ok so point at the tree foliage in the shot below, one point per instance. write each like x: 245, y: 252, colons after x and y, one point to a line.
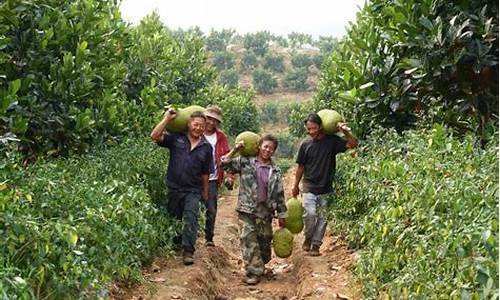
x: 274, y: 62
x: 263, y: 81
x: 423, y: 206
x: 298, y: 39
x: 218, y: 40
x: 238, y: 108
x: 427, y: 61
x: 257, y: 42
x: 296, y: 79
x: 73, y: 73
x: 249, y: 60
x: 326, y: 44
x: 223, y: 60
x: 228, y: 78
x: 301, y: 60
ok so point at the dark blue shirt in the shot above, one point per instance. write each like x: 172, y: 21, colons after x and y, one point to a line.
x: 186, y: 166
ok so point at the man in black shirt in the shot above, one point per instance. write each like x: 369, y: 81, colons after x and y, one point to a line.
x: 316, y: 164
x: 187, y: 175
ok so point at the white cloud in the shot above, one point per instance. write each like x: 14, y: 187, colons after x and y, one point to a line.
x: 316, y: 17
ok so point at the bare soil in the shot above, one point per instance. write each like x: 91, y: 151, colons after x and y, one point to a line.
x: 218, y: 271
x: 284, y: 97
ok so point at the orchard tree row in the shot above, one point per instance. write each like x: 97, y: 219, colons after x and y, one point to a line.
x: 74, y: 74
x: 415, y: 63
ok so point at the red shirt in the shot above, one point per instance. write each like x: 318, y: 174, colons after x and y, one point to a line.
x: 221, y: 148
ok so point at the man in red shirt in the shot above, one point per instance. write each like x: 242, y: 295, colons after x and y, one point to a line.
x: 220, y: 146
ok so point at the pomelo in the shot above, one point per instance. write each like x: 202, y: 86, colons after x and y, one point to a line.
x: 179, y: 123
x: 330, y: 118
x: 283, y: 242
x: 250, y: 141
x: 294, y: 221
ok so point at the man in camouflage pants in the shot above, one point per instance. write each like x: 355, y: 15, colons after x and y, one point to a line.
x: 260, y: 196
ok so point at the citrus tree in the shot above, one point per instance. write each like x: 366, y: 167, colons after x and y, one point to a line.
x: 417, y: 61
x: 263, y: 81
x: 219, y: 40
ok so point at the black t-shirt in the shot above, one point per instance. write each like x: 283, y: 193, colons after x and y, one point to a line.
x: 185, y: 166
x: 318, y: 159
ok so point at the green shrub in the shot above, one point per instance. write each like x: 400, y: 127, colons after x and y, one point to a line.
x: 74, y: 74
x: 274, y: 62
x: 296, y: 79
x: 263, y: 81
x: 173, y: 64
x: 326, y: 44
x: 298, y: 39
x: 217, y: 41
x: 257, y: 42
x: 223, y: 60
x: 317, y: 60
x: 269, y: 112
x: 248, y: 61
x: 238, y: 108
x: 287, y: 145
x: 281, y: 41
x: 301, y: 60
x: 415, y: 62
x: 69, y: 227
x: 423, y: 207
x: 228, y: 78
x: 296, y: 116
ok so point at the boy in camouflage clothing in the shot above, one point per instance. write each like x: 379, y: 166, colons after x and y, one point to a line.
x: 260, y: 196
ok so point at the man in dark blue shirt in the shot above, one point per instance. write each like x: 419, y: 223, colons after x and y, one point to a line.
x: 187, y: 175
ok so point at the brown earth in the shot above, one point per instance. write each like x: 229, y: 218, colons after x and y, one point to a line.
x: 218, y: 271
x: 284, y: 97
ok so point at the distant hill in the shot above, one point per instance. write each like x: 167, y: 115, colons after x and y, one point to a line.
x: 267, y: 63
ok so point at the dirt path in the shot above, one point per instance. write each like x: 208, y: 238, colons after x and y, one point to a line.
x: 218, y: 271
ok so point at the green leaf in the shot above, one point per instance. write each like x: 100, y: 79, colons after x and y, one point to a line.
x: 20, y: 125
x: 425, y: 22
x: 83, y: 45
x: 14, y: 86
x: 346, y: 96
x: 72, y: 238
x: 366, y: 85
x: 407, y: 72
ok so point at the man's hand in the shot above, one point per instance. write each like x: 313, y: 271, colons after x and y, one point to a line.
x: 225, y: 157
x: 236, y: 148
x: 239, y: 146
x: 352, y: 142
x: 204, y: 195
x: 170, y: 114
x: 281, y: 222
x: 295, y: 191
x: 229, y: 182
x: 341, y: 126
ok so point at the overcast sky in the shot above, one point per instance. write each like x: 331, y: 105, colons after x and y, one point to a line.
x: 316, y: 17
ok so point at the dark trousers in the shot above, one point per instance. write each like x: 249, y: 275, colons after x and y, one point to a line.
x: 183, y: 206
x: 211, y: 210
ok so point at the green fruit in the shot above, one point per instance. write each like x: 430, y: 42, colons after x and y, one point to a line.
x: 283, y: 242
x: 179, y: 123
x: 330, y: 118
x: 250, y: 141
x: 294, y: 221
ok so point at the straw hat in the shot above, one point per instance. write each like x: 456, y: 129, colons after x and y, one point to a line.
x: 214, y: 112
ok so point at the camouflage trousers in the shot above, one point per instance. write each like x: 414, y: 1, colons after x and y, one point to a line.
x: 256, y: 235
